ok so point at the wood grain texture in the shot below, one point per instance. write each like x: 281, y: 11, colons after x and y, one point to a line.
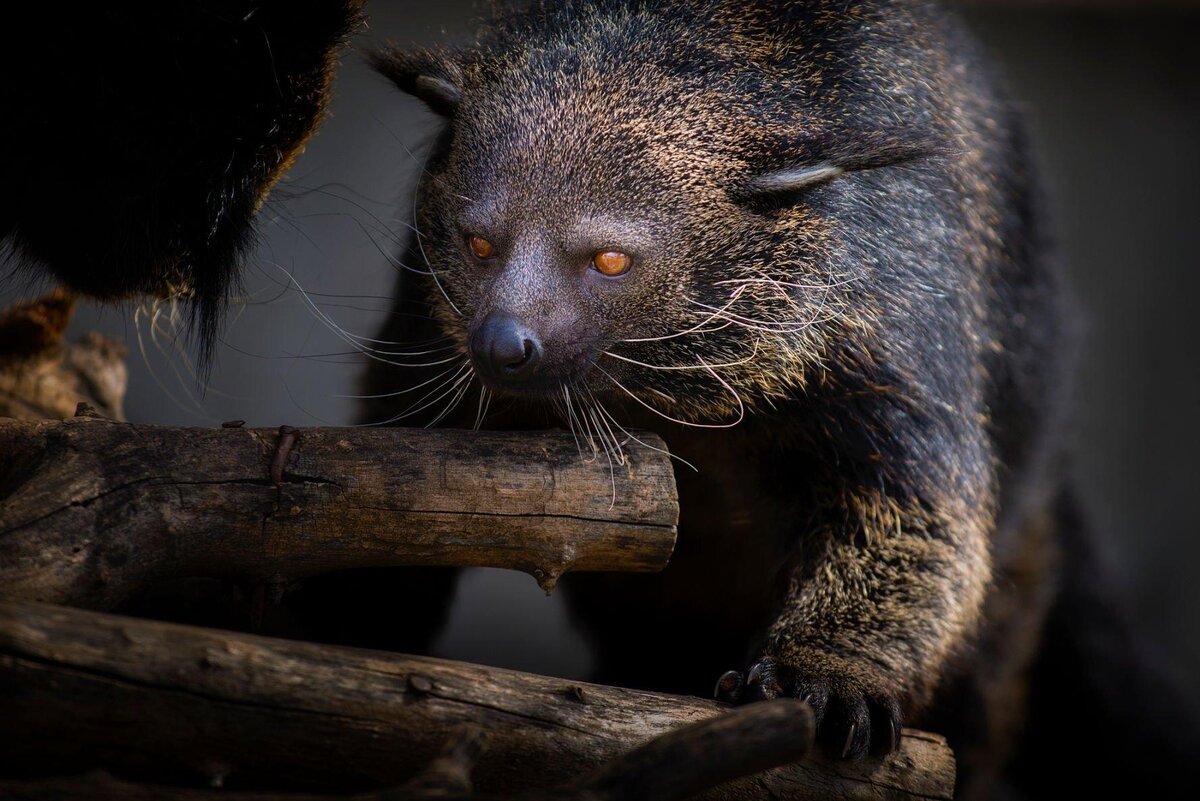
x: 91, y: 510
x: 80, y: 690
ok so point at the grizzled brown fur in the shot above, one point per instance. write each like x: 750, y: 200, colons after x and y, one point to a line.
x: 840, y: 311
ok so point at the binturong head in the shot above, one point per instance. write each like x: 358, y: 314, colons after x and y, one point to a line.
x: 682, y: 203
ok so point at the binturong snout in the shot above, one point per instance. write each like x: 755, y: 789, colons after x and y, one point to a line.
x: 505, y: 351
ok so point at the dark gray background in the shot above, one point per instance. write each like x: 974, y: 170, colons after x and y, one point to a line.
x: 1114, y: 99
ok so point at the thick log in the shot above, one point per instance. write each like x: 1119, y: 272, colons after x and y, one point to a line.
x: 91, y: 510
x: 80, y: 690
x: 671, y: 767
x: 101, y: 787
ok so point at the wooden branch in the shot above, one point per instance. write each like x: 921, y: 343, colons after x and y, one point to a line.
x: 102, y: 787
x: 702, y: 756
x: 92, y: 510
x: 43, y: 377
x: 81, y: 689
x: 671, y: 767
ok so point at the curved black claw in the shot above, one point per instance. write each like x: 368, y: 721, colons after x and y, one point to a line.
x: 729, y: 687
x: 853, y: 718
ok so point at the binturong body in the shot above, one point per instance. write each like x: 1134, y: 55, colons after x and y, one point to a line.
x: 800, y: 242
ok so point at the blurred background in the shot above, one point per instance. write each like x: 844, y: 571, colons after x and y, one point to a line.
x: 1113, y: 97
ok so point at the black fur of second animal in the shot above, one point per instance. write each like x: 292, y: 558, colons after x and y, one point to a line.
x: 166, y: 125
x: 802, y: 242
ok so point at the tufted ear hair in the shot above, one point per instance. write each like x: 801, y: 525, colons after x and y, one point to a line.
x: 793, y: 179
x: 431, y: 76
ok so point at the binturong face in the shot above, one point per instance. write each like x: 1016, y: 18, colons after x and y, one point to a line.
x: 648, y: 205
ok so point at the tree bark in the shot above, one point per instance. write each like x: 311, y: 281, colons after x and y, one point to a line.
x: 79, y: 690
x: 91, y: 511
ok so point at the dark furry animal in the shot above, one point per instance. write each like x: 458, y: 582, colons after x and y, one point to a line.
x: 801, y: 242
x: 139, y: 139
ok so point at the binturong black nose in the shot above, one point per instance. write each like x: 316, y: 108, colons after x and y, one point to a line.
x: 504, y: 350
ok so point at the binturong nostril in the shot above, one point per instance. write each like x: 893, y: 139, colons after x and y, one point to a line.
x: 504, y: 350
x: 528, y: 354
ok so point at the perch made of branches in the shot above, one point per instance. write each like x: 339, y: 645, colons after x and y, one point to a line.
x: 82, y: 689
x: 670, y: 767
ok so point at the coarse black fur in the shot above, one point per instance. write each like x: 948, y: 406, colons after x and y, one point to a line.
x: 842, y: 311
x: 140, y: 138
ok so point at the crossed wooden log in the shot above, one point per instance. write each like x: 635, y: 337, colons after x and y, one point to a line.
x: 94, y: 511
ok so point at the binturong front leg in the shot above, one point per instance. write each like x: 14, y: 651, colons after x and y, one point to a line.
x: 883, y: 588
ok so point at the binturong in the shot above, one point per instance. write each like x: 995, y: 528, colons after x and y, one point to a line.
x: 801, y: 242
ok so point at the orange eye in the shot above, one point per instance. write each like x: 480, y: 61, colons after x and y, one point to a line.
x: 612, y: 263
x: 481, y: 247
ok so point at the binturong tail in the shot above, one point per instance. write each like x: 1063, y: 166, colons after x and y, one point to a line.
x: 1108, y: 719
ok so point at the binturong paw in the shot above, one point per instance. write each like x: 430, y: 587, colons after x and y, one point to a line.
x: 855, y: 713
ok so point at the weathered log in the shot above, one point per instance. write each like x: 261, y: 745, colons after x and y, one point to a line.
x: 91, y: 510
x: 80, y: 690
x: 102, y: 787
x: 671, y: 767
x: 41, y: 376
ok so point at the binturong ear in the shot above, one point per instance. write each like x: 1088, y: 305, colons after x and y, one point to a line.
x: 431, y: 76
x: 790, y: 166
x: 793, y: 179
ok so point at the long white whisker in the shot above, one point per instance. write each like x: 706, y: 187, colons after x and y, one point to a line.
x: 569, y: 413
x: 586, y: 429
x: 777, y: 282
x: 612, y: 470
x: 350, y: 339
x: 485, y: 400
x: 697, y: 328
x: 421, y: 246
x: 741, y: 361
x: 741, y: 406
x: 637, y: 439
x: 466, y: 385
x: 139, y: 313
x: 404, y: 391
x: 452, y: 383
x: 766, y: 326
